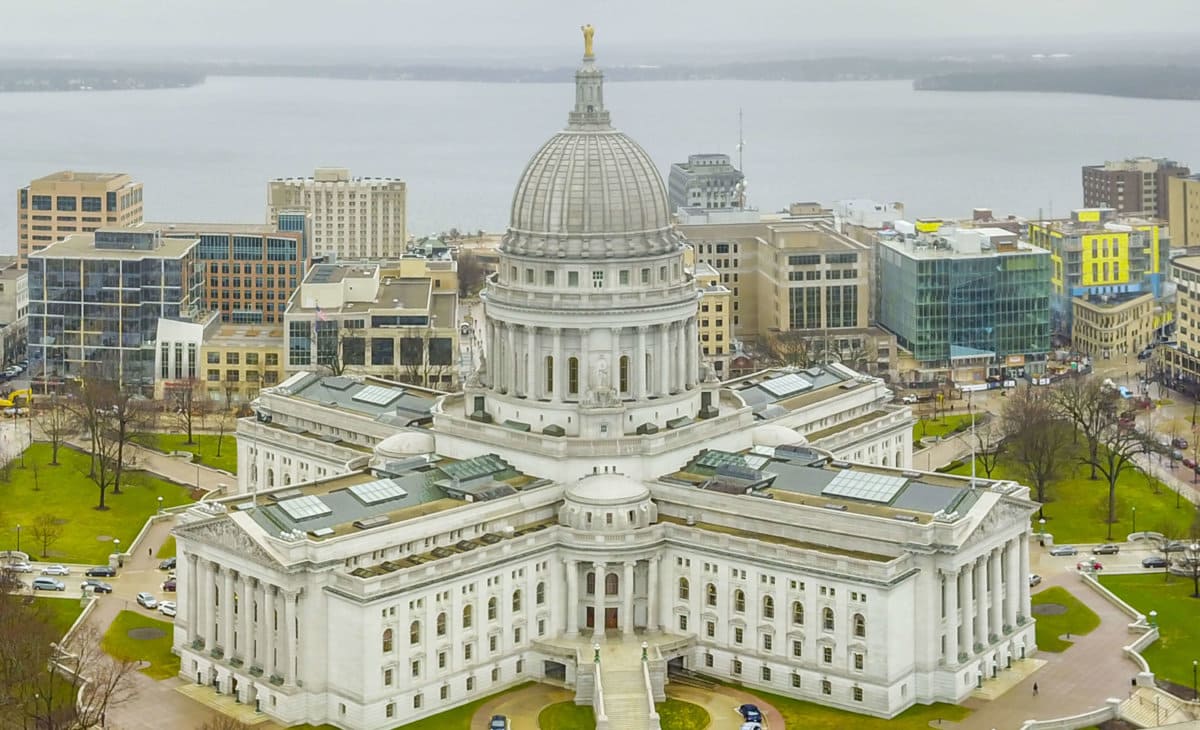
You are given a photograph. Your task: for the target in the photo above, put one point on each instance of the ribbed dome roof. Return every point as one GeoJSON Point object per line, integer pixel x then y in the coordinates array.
{"type": "Point", "coordinates": [607, 489]}
{"type": "Point", "coordinates": [590, 191]}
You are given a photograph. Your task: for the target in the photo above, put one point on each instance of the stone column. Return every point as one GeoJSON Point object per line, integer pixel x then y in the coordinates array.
{"type": "Point", "coordinates": [981, 606]}
{"type": "Point", "coordinates": [271, 625]}
{"type": "Point", "coordinates": [533, 387]}
{"type": "Point", "coordinates": [245, 640]}
{"type": "Point", "coordinates": [511, 369]}
{"type": "Point", "coordinates": [193, 600]}
{"type": "Point", "coordinates": [627, 603]}
{"type": "Point", "coordinates": [692, 344]}
{"type": "Point", "coordinates": [572, 616]}
{"type": "Point", "coordinates": [652, 592]}
{"type": "Point", "coordinates": [638, 370]}
{"type": "Point", "coordinates": [289, 643]}
{"type": "Point", "coordinates": [1013, 578]}
{"type": "Point", "coordinates": [557, 375]}
{"type": "Point", "coordinates": [677, 356]}
{"type": "Point", "coordinates": [951, 609]}
{"type": "Point", "coordinates": [614, 365]}
{"type": "Point", "coordinates": [209, 576]}
{"type": "Point", "coordinates": [663, 387]}
{"type": "Point", "coordinates": [598, 601]}
{"type": "Point", "coordinates": [227, 613]}
{"type": "Point", "coordinates": [1022, 576]}
{"type": "Point", "coordinates": [967, 621]}
{"type": "Point", "coordinates": [995, 595]}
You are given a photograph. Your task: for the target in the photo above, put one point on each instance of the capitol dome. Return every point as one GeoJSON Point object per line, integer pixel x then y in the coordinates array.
{"type": "Point", "coordinates": [590, 191]}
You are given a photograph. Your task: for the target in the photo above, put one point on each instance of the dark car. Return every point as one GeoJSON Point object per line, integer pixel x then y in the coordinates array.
{"type": "Point", "coordinates": [168, 564]}
{"type": "Point", "coordinates": [1179, 442]}
{"type": "Point", "coordinates": [1106, 549]}
{"type": "Point", "coordinates": [169, 585]}
{"type": "Point", "coordinates": [101, 571]}
{"type": "Point", "coordinates": [1154, 561]}
{"type": "Point", "coordinates": [97, 586]}
{"type": "Point", "coordinates": [499, 722]}
{"type": "Point", "coordinates": [750, 713]}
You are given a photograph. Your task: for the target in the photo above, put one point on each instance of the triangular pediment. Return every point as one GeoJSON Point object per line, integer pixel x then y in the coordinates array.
{"type": "Point", "coordinates": [225, 533]}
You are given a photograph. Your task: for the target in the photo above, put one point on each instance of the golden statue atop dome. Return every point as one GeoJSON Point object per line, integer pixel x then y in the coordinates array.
{"type": "Point", "coordinates": [588, 33]}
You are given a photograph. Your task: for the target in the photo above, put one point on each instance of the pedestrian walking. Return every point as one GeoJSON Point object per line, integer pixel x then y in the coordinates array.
{"type": "Point", "coordinates": [1035, 689]}
{"type": "Point", "coordinates": [149, 552]}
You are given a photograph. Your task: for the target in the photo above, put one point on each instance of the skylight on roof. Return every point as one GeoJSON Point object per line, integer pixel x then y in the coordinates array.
{"type": "Point", "coordinates": [305, 508]}
{"type": "Point", "coordinates": [851, 484]}
{"type": "Point", "coordinates": [786, 385]}
{"type": "Point", "coordinates": [379, 491]}
{"type": "Point", "coordinates": [377, 395]}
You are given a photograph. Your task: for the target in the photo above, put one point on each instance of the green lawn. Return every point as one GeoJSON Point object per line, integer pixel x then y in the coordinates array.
{"type": "Point", "coordinates": [458, 718]}
{"type": "Point", "coordinates": [678, 715]}
{"type": "Point", "coordinates": [67, 494]}
{"type": "Point", "coordinates": [59, 613]}
{"type": "Point", "coordinates": [1172, 655]}
{"type": "Point", "coordinates": [1077, 506]}
{"type": "Point", "coordinates": [811, 716]}
{"type": "Point", "coordinates": [943, 426]}
{"type": "Point", "coordinates": [205, 448]}
{"type": "Point", "coordinates": [568, 716]}
{"type": "Point", "coordinates": [118, 643]}
{"type": "Point", "coordinates": [1078, 620]}
{"type": "Point", "coordinates": [167, 550]}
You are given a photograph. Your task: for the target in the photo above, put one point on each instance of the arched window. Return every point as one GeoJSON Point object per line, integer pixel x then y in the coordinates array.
{"type": "Point", "coordinates": [441, 624]}
{"type": "Point", "coordinates": [739, 601]}
{"type": "Point", "coordinates": [624, 366]}
{"type": "Point", "coordinates": [827, 619]}
{"type": "Point", "coordinates": [549, 373]}
{"type": "Point", "coordinates": [539, 593]}
{"type": "Point", "coordinates": [798, 613]}
{"type": "Point", "coordinates": [270, 477]}
{"type": "Point", "coordinates": [683, 588]}
{"type": "Point", "coordinates": [573, 375]}
{"type": "Point", "coordinates": [287, 479]}
{"type": "Point", "coordinates": [468, 616]}
{"type": "Point", "coordinates": [611, 584]}
{"type": "Point", "coordinates": [591, 584]}
{"type": "Point", "coordinates": [387, 640]}
{"type": "Point", "coordinates": [710, 595]}
{"type": "Point", "coordinates": [860, 625]}
{"type": "Point", "coordinates": [516, 600]}
{"type": "Point", "coordinates": [768, 607]}
{"type": "Point", "coordinates": [492, 609]}
{"type": "Point", "coordinates": [414, 632]}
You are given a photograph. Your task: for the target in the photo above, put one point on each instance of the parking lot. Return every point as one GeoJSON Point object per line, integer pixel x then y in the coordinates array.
{"type": "Point", "coordinates": [126, 585]}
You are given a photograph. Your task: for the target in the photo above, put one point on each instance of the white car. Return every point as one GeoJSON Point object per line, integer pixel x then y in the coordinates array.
{"type": "Point", "coordinates": [147, 600]}
{"type": "Point", "coordinates": [56, 570]}
{"type": "Point", "coordinates": [21, 567]}
{"type": "Point", "coordinates": [167, 608]}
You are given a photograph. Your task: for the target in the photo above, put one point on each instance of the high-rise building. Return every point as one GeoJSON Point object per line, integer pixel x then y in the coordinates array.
{"type": "Point", "coordinates": [250, 270]}
{"type": "Point", "coordinates": [1180, 360]}
{"type": "Point", "coordinates": [1184, 211]}
{"type": "Point", "coordinates": [56, 206]}
{"type": "Point", "coordinates": [350, 217]}
{"type": "Point", "coordinates": [706, 181]}
{"type": "Point", "coordinates": [1136, 186]}
{"type": "Point", "coordinates": [95, 301]}
{"type": "Point", "coordinates": [1096, 253]}
{"type": "Point", "coordinates": [14, 310]}
{"type": "Point", "coordinates": [967, 303]}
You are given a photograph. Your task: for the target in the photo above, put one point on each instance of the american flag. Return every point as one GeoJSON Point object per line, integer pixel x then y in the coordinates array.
{"type": "Point", "coordinates": [321, 316]}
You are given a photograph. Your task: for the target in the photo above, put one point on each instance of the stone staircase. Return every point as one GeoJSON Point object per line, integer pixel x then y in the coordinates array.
{"type": "Point", "coordinates": [1150, 708]}
{"type": "Point", "coordinates": [625, 700]}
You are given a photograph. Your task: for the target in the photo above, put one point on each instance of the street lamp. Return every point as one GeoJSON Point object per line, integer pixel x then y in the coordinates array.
{"type": "Point", "coordinates": [596, 652]}
{"type": "Point", "coordinates": [1194, 563]}
{"type": "Point", "coordinates": [160, 504]}
{"type": "Point", "coordinates": [1042, 522]}
{"type": "Point", "coordinates": [1154, 619]}
{"type": "Point", "coordinates": [1134, 530]}
{"type": "Point", "coordinates": [18, 538]}
{"type": "Point", "coordinates": [1195, 695]}
{"type": "Point", "coordinates": [646, 646]}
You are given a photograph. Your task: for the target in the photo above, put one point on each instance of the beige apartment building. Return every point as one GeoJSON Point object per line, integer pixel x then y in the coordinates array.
{"type": "Point", "coordinates": [1184, 212]}
{"type": "Point", "coordinates": [716, 318]}
{"type": "Point", "coordinates": [1106, 327]}
{"type": "Point", "coordinates": [56, 206]}
{"type": "Point", "coordinates": [351, 217]}
{"type": "Point", "coordinates": [1180, 363]}
{"type": "Point", "coordinates": [240, 360]}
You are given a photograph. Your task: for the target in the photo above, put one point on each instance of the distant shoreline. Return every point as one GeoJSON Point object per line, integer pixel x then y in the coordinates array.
{"type": "Point", "coordinates": [1171, 83]}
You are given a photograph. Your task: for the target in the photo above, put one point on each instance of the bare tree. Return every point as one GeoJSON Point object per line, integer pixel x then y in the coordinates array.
{"type": "Point", "coordinates": [1037, 440]}
{"type": "Point", "coordinates": [1115, 454]}
{"type": "Point", "coordinates": [189, 405]}
{"type": "Point", "coordinates": [989, 444]}
{"type": "Point", "coordinates": [1091, 405]}
{"type": "Point", "coordinates": [56, 421]}
{"type": "Point", "coordinates": [421, 360]}
{"type": "Point", "coordinates": [471, 274]}
{"type": "Point", "coordinates": [791, 347]}
{"type": "Point", "coordinates": [223, 420]}
{"type": "Point", "coordinates": [339, 347]}
{"type": "Point", "coordinates": [224, 722]}
{"type": "Point", "coordinates": [46, 530]}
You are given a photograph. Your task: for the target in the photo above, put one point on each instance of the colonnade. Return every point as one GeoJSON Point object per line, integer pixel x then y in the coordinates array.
{"type": "Point", "coordinates": [601, 600]}
{"type": "Point", "coordinates": [984, 597]}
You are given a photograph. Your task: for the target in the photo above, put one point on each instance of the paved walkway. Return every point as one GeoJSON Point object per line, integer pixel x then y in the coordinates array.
{"type": "Point", "coordinates": [173, 468]}
{"type": "Point", "coordinates": [722, 703]}
{"type": "Point", "coordinates": [521, 707]}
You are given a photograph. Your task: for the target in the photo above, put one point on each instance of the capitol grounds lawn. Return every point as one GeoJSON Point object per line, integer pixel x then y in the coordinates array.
{"type": "Point", "coordinates": [1076, 621]}
{"type": "Point", "coordinates": [1077, 506]}
{"type": "Point", "coordinates": [1178, 642]}
{"type": "Point", "coordinates": [59, 613]}
{"type": "Point", "coordinates": [204, 448]}
{"type": "Point", "coordinates": [70, 496]}
{"type": "Point", "coordinates": [167, 550]}
{"type": "Point", "coordinates": [811, 716]}
{"type": "Point", "coordinates": [943, 426]}
{"type": "Point", "coordinates": [569, 716]}
{"type": "Point", "coordinates": [118, 643]}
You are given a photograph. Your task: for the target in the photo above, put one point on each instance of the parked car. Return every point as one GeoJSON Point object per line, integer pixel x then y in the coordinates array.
{"type": "Point", "coordinates": [499, 722]}
{"type": "Point", "coordinates": [909, 399]}
{"type": "Point", "coordinates": [1062, 550]}
{"type": "Point", "coordinates": [750, 713]}
{"type": "Point", "coordinates": [1179, 442]}
{"type": "Point", "coordinates": [101, 571]}
{"type": "Point", "coordinates": [167, 608]}
{"type": "Point", "coordinates": [1154, 561]}
{"type": "Point", "coordinates": [1107, 548]}
{"type": "Point", "coordinates": [1175, 546]}
{"type": "Point", "coordinates": [750, 726]}
{"type": "Point", "coordinates": [169, 585]}
{"type": "Point", "coordinates": [96, 586]}
{"type": "Point", "coordinates": [56, 570]}
{"type": "Point", "coordinates": [48, 584]}
{"type": "Point", "coordinates": [20, 567]}
{"type": "Point", "coordinates": [168, 564]}
{"type": "Point", "coordinates": [147, 600]}
{"type": "Point", "coordinates": [1089, 565]}
{"type": "Point", "coordinates": [1034, 579]}
{"type": "Point", "coordinates": [1189, 462]}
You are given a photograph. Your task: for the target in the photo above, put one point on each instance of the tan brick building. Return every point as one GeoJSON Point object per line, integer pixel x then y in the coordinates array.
{"type": "Point", "coordinates": [1107, 327]}
{"type": "Point", "coordinates": [1184, 212]}
{"type": "Point", "coordinates": [56, 206]}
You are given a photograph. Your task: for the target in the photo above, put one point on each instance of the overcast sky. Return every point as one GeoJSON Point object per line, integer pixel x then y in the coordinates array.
{"type": "Point", "coordinates": [535, 28]}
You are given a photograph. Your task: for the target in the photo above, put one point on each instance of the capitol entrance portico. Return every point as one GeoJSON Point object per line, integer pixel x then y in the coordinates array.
{"type": "Point", "coordinates": [615, 596]}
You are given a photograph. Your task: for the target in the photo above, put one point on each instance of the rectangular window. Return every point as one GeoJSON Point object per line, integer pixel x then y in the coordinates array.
{"type": "Point", "coordinates": [572, 278]}
{"type": "Point", "coordinates": [858, 694]}
{"type": "Point", "coordinates": [597, 279]}
{"type": "Point", "coordinates": [827, 655]}
{"type": "Point", "coordinates": [383, 351]}
{"type": "Point", "coordinates": [214, 358]}
{"type": "Point", "coordinates": [67, 202]}
{"type": "Point", "coordinates": [91, 204]}
{"type": "Point", "coordinates": [826, 687]}
{"type": "Point", "coordinates": [623, 277]}
{"type": "Point", "coordinates": [858, 661]}
{"type": "Point", "coordinates": [766, 674]}
{"type": "Point", "coordinates": [232, 358]}
{"type": "Point", "coordinates": [548, 277]}
{"type": "Point", "coordinates": [737, 666]}
{"type": "Point", "coordinates": [738, 634]}
{"type": "Point", "coordinates": [797, 648]}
